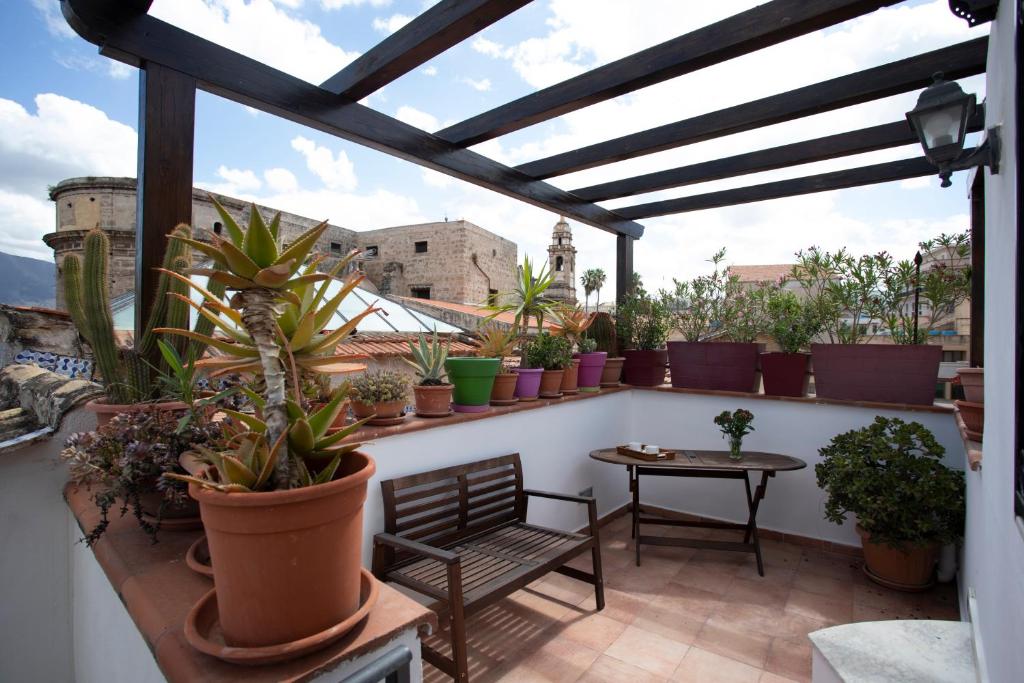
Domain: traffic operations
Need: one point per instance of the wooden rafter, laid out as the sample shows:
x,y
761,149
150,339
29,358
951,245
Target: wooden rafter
x,y
957,61
447,23
754,29
859,141
836,180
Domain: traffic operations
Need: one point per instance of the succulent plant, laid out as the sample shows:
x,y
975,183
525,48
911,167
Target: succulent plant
x,y
573,321
428,360
495,342
380,386
586,345
602,331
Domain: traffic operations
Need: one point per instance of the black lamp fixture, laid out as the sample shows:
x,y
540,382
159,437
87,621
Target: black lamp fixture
x,y
940,122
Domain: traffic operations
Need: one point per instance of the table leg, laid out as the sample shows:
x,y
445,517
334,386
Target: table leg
x,y
753,501
636,512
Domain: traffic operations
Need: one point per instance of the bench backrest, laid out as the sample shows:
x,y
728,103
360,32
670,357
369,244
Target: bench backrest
x,y
442,506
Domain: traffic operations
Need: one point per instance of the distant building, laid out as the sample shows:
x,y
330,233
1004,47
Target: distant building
x,y
562,263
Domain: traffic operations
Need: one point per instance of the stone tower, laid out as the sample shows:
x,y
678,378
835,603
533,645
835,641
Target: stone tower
x,y
562,263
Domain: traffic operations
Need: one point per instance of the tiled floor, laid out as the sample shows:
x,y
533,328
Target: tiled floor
x,y
683,615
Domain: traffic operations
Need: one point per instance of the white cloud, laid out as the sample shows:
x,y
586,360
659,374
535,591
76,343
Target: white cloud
x,y
338,4
491,48
481,85
392,23
281,180
53,18
78,62
336,172
290,4
415,117
237,181
261,30
120,70
917,183
429,71
24,219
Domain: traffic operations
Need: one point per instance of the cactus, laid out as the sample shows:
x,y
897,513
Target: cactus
x,y
602,330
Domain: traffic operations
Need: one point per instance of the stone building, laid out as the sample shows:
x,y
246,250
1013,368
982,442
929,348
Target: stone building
x,y
455,261
562,263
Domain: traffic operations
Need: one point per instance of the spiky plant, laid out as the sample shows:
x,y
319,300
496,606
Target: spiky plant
x,y
428,360
495,342
573,322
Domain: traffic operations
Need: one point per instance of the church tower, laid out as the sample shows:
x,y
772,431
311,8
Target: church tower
x,y
562,263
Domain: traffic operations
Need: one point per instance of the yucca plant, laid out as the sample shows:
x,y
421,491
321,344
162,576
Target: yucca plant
x,y
527,300
428,360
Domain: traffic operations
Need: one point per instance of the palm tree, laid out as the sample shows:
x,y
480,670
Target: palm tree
x,y
599,280
588,279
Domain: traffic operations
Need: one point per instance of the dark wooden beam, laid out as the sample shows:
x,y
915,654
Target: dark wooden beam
x,y
447,23
957,61
247,81
167,110
830,147
977,330
623,267
836,180
746,32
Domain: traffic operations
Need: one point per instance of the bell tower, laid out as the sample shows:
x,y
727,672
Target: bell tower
x,y
562,263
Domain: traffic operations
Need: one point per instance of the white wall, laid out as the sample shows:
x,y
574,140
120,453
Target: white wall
x,y
994,552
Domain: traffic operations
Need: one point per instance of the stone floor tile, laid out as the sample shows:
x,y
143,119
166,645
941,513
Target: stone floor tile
x,y
699,666
648,651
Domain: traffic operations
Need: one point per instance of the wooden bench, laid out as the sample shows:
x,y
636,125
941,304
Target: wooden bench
x,y
459,536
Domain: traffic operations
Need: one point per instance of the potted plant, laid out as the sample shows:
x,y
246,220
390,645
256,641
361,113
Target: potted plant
x,y
792,324
552,355
720,322
643,323
379,396
573,323
591,366
473,381
433,391
279,492
908,504
125,458
498,343
973,382
734,427
602,332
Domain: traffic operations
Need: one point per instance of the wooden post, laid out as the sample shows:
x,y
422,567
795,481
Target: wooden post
x,y
167,112
977,348
623,266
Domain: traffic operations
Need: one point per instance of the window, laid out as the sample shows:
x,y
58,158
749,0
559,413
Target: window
x,y
558,264
336,248
421,247
370,252
492,297
217,227
419,292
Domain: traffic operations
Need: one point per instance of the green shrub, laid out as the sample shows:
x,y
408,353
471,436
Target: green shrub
x,y
549,352
643,322
792,323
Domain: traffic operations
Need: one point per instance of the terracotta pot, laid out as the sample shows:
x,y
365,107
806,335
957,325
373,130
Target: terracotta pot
x,y
504,390
612,371
590,370
287,563
433,401
570,378
785,374
887,373
385,412
181,517
720,366
909,568
973,382
644,368
551,383
105,412
527,383
973,415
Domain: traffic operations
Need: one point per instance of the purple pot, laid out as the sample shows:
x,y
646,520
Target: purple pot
x,y
591,367
528,383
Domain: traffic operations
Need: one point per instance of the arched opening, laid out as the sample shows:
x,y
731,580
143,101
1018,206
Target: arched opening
x,y
217,227
558,264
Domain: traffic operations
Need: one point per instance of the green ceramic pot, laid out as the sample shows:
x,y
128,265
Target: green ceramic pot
x,y
473,379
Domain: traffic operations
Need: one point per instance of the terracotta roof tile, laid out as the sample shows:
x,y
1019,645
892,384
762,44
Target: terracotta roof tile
x,y
388,344
469,309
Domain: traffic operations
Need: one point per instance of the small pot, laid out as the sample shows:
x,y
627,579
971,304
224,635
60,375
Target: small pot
x,y
473,380
645,368
105,412
910,568
591,367
504,391
384,412
570,379
785,374
973,382
527,383
973,415
551,383
612,371
434,400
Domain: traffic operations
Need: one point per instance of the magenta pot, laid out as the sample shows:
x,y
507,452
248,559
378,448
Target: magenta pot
x,y
887,373
722,366
643,368
591,367
785,374
528,383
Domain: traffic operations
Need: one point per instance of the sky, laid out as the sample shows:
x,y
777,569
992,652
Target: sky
x,y
67,111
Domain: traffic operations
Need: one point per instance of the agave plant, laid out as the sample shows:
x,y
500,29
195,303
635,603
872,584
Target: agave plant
x,y
428,360
495,342
573,322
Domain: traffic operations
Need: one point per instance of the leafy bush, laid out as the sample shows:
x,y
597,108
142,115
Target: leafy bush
x,y
380,386
792,323
549,352
698,306
890,474
643,322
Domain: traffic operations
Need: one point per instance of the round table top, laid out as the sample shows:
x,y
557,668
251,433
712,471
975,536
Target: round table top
x,y
706,460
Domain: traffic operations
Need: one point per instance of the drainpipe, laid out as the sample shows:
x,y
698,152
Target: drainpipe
x,y
486,276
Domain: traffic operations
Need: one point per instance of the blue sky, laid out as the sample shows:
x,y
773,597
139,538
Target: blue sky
x,y
67,111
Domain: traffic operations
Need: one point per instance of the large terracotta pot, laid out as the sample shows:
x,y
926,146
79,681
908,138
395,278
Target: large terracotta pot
x,y
887,373
473,379
433,401
908,569
590,370
504,391
105,412
384,412
570,378
286,564
612,371
551,383
643,368
721,366
785,374
973,415
973,382
528,383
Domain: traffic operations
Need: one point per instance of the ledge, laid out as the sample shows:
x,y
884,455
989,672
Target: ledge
x,y
874,405
972,447
158,589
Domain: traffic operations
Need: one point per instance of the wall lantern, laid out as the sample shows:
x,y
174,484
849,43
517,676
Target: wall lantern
x,y
974,12
940,122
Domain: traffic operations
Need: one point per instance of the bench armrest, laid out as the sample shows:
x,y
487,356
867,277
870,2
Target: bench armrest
x,y
585,500
433,553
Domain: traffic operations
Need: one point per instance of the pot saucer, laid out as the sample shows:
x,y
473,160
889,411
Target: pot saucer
x,y
202,631
197,557
450,412
608,385
896,585
504,402
551,396
570,392
386,421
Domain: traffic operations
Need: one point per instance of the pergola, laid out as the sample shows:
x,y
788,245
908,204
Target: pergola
x,y
175,63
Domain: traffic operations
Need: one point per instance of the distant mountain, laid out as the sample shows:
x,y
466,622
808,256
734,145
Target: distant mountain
x,y
26,281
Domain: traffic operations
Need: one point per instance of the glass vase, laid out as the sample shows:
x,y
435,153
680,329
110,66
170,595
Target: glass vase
x,y
735,442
